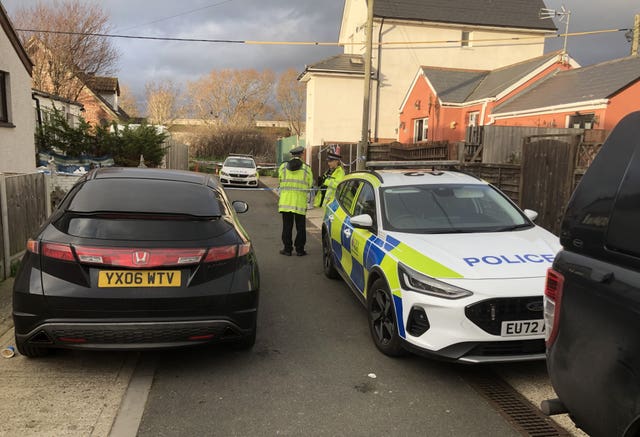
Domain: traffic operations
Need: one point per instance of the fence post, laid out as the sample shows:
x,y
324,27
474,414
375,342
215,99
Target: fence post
x,y
46,181
4,212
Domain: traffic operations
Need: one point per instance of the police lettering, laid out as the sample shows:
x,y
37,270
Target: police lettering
x,y
496,260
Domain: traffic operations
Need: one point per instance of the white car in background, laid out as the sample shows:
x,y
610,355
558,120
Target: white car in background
x,y
239,170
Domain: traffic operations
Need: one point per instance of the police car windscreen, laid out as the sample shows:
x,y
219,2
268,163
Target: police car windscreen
x,y
241,163
449,208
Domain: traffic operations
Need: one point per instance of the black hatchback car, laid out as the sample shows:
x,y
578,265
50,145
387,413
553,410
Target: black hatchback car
x,y
592,296
138,258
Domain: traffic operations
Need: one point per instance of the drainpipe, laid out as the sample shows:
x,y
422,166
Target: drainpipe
x,y
38,113
4,214
375,134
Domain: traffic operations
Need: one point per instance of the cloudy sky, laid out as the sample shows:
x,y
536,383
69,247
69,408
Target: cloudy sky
x,y
289,20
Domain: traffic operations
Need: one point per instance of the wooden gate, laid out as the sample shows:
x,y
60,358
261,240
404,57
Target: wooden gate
x,y
548,163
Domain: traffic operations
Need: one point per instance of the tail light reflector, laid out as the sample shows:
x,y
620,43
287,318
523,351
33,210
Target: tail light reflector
x,y
552,301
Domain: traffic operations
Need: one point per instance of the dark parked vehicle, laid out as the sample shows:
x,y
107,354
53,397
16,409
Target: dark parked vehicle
x,y
138,259
592,296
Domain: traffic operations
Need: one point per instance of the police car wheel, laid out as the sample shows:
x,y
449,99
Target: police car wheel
x,y
382,320
327,258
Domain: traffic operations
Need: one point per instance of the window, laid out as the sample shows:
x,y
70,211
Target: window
x,y
366,203
420,128
582,121
473,118
4,112
346,193
465,39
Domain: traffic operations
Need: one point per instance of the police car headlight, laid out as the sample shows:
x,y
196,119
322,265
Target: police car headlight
x,y
416,281
224,173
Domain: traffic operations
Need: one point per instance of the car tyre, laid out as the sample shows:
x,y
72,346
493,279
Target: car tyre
x,y
327,258
31,351
382,320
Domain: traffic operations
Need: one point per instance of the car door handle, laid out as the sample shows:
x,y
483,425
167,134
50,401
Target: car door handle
x,y
347,232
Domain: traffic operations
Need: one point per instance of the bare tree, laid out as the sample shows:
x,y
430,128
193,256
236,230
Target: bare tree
x,y
128,102
61,59
232,97
291,96
163,100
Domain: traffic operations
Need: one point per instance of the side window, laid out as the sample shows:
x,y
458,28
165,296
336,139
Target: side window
x,y
4,106
348,191
622,232
366,203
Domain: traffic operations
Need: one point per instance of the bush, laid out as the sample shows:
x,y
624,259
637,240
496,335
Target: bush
x,y
124,144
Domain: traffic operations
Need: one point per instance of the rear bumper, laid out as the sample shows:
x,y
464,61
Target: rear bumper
x,y
116,335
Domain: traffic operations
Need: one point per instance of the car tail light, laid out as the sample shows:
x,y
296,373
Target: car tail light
x,y
552,301
223,253
137,257
54,250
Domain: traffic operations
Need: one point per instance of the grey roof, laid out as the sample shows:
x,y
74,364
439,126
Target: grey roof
x,y
459,86
500,13
452,85
502,78
353,64
599,81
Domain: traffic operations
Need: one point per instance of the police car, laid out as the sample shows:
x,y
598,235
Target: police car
x,y
240,170
445,264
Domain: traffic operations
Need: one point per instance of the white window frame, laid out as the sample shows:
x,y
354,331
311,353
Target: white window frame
x,y
465,39
420,129
473,118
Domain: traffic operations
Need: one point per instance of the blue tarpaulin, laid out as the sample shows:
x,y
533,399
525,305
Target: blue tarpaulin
x,y
66,164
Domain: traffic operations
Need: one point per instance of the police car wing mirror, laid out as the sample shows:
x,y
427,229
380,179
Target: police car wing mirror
x,y
531,214
363,221
240,207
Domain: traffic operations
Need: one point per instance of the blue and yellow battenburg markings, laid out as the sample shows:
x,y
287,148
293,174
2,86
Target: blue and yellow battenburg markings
x,y
384,253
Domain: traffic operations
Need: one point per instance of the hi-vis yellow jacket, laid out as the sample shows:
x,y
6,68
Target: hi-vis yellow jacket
x,y
331,181
296,180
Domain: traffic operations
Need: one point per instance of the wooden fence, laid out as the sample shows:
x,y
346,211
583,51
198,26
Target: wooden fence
x,y
176,155
25,204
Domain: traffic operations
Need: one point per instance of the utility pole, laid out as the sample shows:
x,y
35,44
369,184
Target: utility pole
x,y
635,37
364,138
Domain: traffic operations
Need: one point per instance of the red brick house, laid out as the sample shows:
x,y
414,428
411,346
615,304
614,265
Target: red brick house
x,y
442,102
100,99
593,97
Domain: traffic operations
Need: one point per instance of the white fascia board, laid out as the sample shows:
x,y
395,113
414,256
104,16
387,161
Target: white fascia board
x,y
568,107
466,26
467,104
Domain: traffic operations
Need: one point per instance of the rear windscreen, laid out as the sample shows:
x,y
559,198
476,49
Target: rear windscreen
x,y
146,196
152,228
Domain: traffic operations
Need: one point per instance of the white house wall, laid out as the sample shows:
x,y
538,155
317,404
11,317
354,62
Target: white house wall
x,y
398,64
334,108
17,144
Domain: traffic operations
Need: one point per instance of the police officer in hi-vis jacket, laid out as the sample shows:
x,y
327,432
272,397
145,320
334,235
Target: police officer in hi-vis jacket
x,y
329,180
296,180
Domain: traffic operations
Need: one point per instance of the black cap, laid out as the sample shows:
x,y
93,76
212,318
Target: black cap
x,y
297,150
331,156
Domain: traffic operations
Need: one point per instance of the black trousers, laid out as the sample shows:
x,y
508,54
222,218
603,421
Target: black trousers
x,y
288,218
